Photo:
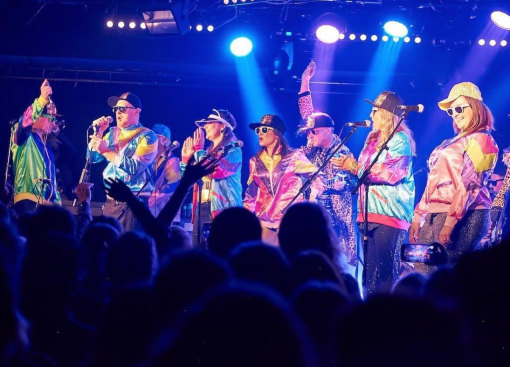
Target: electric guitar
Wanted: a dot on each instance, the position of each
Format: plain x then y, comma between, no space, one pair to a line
499,204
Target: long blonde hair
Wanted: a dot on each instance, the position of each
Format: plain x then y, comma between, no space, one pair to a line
390,120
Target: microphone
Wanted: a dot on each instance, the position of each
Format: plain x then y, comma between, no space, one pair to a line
233,144
95,123
417,108
364,123
175,144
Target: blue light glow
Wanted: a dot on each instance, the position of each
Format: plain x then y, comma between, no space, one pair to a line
327,34
501,19
395,29
241,46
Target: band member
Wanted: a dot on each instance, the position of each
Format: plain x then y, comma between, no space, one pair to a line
277,174
33,161
130,150
455,205
222,188
391,191
167,172
321,141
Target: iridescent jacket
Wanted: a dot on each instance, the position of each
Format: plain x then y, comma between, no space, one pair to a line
273,183
337,202
33,161
166,177
135,148
391,189
223,186
458,172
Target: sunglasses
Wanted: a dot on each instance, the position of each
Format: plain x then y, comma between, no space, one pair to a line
122,109
457,109
203,123
374,109
264,129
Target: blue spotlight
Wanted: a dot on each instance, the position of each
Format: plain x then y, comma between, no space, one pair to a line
327,34
241,46
395,29
501,19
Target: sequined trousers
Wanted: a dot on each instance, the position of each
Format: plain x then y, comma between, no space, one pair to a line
382,257
466,235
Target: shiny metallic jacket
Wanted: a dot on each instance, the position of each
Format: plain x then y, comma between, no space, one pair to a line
33,161
458,172
136,148
391,189
273,183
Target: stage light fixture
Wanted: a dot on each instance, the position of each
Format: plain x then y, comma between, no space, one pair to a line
171,20
501,19
341,36
199,27
225,2
417,39
132,25
109,23
374,38
395,29
407,39
121,24
363,37
327,34
481,42
395,39
143,26
210,28
503,43
385,38
241,46
492,43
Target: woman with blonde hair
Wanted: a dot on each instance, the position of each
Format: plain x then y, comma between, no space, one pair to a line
391,191
455,205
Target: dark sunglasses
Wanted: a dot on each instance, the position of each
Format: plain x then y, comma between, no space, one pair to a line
264,129
122,109
457,109
312,131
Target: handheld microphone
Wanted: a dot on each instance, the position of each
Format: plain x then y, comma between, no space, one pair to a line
417,108
95,123
364,123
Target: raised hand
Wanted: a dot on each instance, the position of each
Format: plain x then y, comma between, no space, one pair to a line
198,139
83,192
97,144
101,124
117,189
194,172
309,71
46,89
187,150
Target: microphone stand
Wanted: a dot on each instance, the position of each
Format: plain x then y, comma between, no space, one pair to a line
364,180
309,181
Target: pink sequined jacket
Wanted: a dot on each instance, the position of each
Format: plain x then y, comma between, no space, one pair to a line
458,173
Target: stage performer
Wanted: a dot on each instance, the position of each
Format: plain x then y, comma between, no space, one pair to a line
277,174
336,198
167,172
130,150
33,161
221,189
391,191
455,207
